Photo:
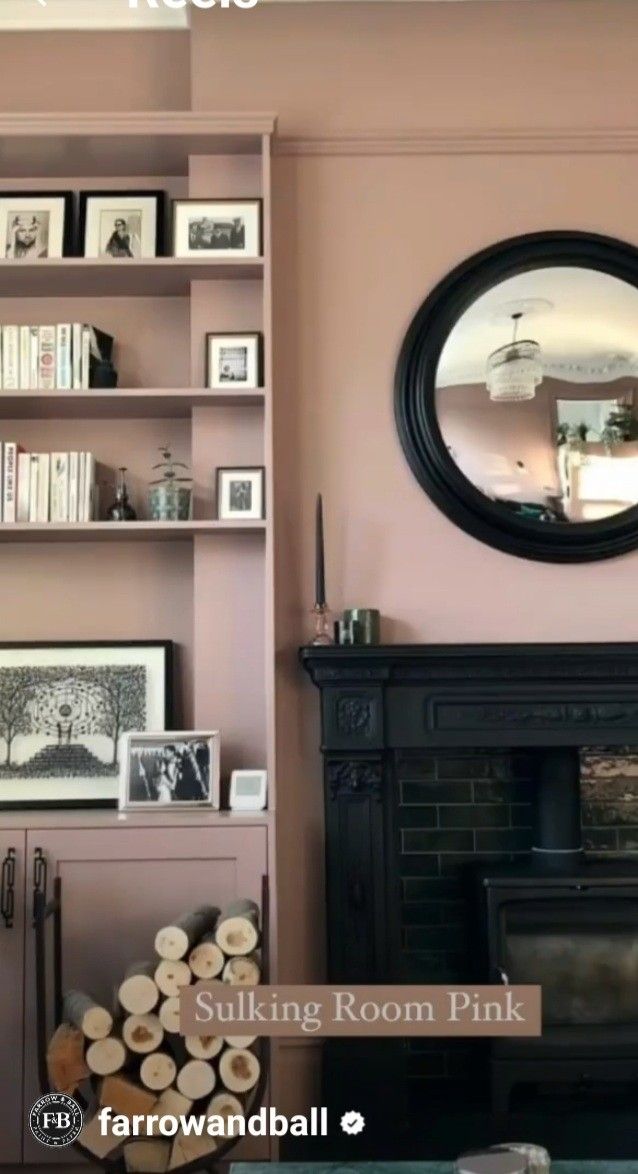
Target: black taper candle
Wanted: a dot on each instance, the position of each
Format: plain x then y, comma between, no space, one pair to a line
320,571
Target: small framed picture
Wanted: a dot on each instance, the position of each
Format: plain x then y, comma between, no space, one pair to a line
240,494
179,769
234,360
248,789
217,228
122,225
36,226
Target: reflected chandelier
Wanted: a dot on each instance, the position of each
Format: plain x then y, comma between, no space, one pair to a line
514,371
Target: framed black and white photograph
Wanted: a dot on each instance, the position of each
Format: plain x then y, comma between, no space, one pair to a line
180,769
217,228
234,361
121,225
240,494
36,226
64,708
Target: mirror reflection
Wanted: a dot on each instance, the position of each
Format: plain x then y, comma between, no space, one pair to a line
536,394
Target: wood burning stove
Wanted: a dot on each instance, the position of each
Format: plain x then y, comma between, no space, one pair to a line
424,749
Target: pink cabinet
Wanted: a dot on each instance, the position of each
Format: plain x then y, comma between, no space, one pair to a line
120,883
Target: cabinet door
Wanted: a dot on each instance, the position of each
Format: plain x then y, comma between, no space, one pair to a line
12,845
119,886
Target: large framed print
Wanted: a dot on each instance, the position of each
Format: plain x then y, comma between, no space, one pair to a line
35,226
64,709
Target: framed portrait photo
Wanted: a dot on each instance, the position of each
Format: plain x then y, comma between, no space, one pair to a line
234,361
121,225
179,769
36,226
63,710
240,494
217,228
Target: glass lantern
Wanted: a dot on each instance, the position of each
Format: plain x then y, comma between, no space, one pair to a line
170,495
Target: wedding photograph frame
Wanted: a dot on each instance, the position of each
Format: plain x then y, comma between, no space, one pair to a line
121,225
217,229
36,226
176,769
64,706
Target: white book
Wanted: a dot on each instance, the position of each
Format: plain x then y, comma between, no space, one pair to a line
25,358
59,507
89,488
76,355
1,469
64,372
10,481
47,372
81,486
74,486
85,365
1,384
10,358
34,357
44,487
34,463
24,487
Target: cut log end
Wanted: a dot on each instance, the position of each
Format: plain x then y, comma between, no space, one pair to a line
158,1071
173,941
239,1069
206,960
147,1157
203,1047
237,931
196,1079
187,1149
243,970
169,1015
94,1021
170,977
66,1065
138,994
142,1033
227,1106
106,1056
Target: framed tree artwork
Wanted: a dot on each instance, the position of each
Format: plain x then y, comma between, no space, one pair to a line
64,711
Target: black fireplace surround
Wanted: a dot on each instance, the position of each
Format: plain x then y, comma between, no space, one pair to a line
454,853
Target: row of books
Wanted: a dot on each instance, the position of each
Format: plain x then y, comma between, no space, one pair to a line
47,487
51,358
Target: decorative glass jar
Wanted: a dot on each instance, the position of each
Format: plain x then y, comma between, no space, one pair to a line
170,497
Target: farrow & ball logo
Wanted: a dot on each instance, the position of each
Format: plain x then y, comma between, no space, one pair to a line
55,1119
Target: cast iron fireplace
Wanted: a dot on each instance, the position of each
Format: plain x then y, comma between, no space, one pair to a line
454,852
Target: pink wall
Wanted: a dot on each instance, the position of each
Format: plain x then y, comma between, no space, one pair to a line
94,71
363,233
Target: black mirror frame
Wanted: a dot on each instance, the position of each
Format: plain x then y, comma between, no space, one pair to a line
415,400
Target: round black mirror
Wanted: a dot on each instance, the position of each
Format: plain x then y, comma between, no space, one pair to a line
516,396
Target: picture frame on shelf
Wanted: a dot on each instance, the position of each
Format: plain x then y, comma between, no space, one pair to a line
36,226
217,229
248,790
165,771
126,225
234,360
240,493
64,707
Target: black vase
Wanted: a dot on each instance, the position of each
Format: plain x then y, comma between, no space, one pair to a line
104,374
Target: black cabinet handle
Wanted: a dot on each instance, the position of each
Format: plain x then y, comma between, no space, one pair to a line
7,888
40,871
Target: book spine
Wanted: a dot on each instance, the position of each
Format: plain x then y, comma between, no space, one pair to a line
25,358
10,358
24,487
74,485
2,448
64,374
9,481
76,352
86,358
89,488
34,357
81,486
33,486
59,507
47,372
44,488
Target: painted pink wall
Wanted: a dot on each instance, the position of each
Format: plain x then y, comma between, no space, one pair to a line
360,240
94,71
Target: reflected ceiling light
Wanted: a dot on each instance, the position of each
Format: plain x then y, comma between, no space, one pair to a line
514,371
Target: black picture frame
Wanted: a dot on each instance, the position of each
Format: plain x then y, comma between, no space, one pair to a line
261,469
259,341
255,201
130,193
68,231
168,648
415,401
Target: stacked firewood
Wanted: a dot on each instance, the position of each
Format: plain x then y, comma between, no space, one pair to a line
138,1060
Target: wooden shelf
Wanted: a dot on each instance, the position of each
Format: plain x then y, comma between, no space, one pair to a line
123,403
121,531
107,277
149,143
